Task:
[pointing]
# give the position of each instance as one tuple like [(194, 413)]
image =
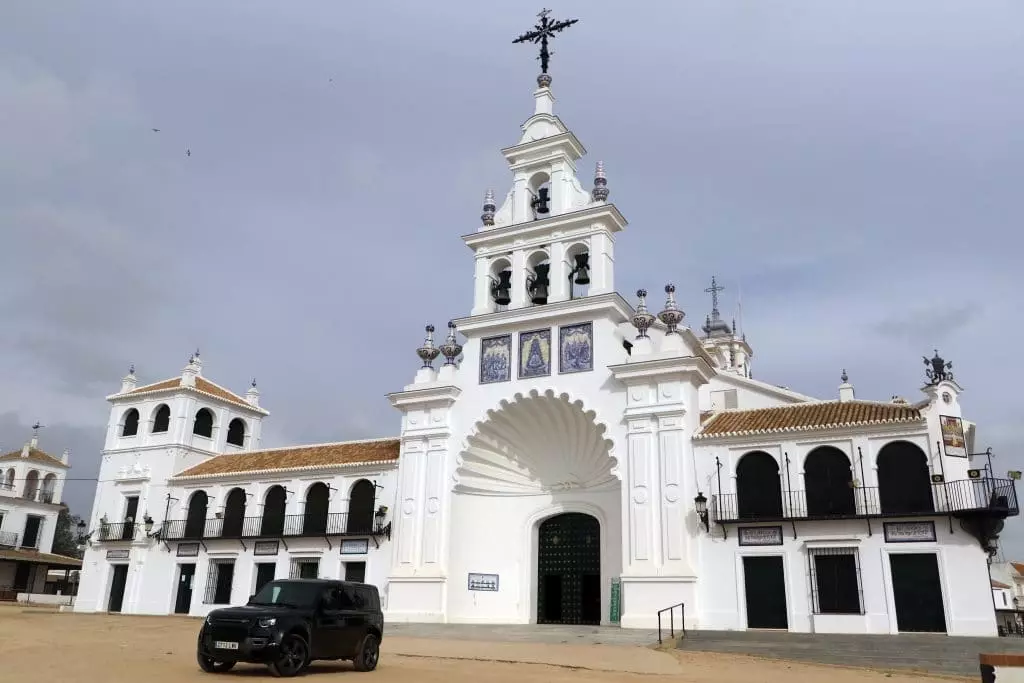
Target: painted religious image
[(535, 354), (496, 359), (953, 436), (576, 348)]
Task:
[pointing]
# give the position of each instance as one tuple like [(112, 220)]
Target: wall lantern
[(700, 503), (148, 525)]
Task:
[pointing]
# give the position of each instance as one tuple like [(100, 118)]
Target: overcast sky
[(855, 169)]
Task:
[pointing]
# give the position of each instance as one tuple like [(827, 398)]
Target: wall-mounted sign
[(265, 547), (953, 436), (188, 550), (974, 474), (121, 554), (909, 532), (355, 546), (938, 479), (760, 535), (483, 582)]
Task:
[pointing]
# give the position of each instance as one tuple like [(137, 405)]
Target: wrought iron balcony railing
[(994, 497), (116, 531), (333, 524), (8, 539), (38, 495)]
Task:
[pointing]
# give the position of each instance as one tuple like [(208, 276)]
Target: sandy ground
[(45, 645)]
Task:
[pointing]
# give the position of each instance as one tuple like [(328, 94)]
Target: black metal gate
[(765, 584), (569, 570), (917, 592)]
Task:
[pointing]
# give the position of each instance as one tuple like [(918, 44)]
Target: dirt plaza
[(44, 644)]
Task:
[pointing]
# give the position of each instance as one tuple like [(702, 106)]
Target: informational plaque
[(188, 550), (909, 532), (120, 554), (760, 535), (355, 546), (265, 547), (953, 436), (483, 582)]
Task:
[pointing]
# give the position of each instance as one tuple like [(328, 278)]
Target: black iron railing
[(8, 539), (997, 497), (672, 621), (333, 524), (116, 531), (38, 495)]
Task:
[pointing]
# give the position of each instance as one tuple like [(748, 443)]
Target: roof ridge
[(326, 444), (222, 388), (795, 406)]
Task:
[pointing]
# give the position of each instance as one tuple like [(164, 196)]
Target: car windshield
[(287, 594)]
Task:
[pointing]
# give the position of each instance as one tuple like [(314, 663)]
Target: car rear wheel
[(292, 658), (211, 665), (368, 655)]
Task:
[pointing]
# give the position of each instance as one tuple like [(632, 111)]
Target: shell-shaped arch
[(537, 443)]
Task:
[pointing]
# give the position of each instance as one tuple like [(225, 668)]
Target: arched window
[(236, 432), (360, 508), (49, 487), (234, 514), (273, 512), (314, 516), (758, 488), (829, 483), (904, 483), (162, 418), (32, 485), (195, 522), (203, 425), (131, 423), (9, 479)]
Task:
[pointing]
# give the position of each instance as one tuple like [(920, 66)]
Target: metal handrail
[(272, 526), (672, 622)]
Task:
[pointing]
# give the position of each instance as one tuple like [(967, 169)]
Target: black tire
[(368, 655), (212, 666), (293, 657)]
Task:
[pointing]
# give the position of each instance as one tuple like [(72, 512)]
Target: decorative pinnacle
[(642, 319), (131, 369), (253, 384), (488, 215), (451, 347), (844, 376), (428, 352), (544, 30), (671, 316), (600, 191)]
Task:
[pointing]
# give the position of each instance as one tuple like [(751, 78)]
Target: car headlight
[(266, 622), (207, 621)]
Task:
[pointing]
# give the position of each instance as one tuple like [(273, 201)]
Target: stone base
[(416, 599), (643, 596)]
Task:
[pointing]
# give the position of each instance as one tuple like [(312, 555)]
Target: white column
[(601, 264), (481, 286), (672, 501), (641, 477), (559, 274), (407, 517), (518, 279)]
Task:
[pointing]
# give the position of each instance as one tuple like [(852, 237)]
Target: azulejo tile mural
[(534, 354), (496, 359), (576, 348)]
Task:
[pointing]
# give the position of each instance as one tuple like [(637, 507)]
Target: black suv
[(291, 622)]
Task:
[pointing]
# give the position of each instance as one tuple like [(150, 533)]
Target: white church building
[(576, 458)]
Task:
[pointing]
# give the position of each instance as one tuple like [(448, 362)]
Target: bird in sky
[(156, 130), (188, 152)]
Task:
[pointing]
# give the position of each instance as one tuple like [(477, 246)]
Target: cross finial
[(544, 30), (714, 289), (36, 427)]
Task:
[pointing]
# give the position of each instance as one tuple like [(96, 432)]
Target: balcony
[(288, 526), (994, 498), (8, 539), (116, 531), (39, 495)]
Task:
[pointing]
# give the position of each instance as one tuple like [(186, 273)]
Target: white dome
[(536, 444)]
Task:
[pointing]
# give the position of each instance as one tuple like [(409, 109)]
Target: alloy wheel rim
[(371, 656), (293, 655)]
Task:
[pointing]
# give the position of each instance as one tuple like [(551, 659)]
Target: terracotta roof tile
[(998, 584), (298, 457), (35, 455), (40, 558), (1019, 566), (805, 416), (202, 384)]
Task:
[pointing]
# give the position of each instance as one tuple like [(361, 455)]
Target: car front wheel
[(292, 658), (369, 653), (211, 665)]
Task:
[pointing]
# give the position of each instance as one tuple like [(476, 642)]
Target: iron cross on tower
[(544, 30), (714, 289)]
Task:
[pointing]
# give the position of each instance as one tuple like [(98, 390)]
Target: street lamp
[(700, 503)]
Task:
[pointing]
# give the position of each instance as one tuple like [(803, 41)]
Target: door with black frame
[(265, 572), (183, 599), (917, 592), (118, 580), (33, 524), (764, 580), (569, 570)]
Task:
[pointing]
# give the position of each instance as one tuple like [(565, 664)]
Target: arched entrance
[(569, 570)]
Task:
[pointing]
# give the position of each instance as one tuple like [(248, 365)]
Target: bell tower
[(550, 240)]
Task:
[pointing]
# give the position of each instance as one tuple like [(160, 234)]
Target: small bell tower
[(550, 240)]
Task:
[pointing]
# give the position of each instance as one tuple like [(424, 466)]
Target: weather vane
[(544, 30)]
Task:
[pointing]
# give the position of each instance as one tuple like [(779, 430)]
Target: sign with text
[(121, 554), (909, 532), (355, 546), (188, 550), (953, 440), (483, 582), (265, 547), (760, 535)]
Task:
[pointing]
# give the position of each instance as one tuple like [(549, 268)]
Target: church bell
[(539, 285), (501, 289), (540, 202), (582, 269)]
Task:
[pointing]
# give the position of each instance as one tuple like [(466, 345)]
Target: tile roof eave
[(700, 436), (135, 393), (282, 470)]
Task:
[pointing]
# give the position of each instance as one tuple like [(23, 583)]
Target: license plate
[(224, 645)]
